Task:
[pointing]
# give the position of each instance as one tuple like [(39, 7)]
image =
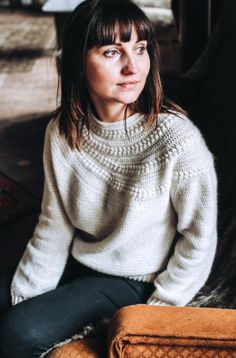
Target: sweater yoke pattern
[(126, 161)]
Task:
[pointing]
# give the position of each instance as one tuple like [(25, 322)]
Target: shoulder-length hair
[(93, 23)]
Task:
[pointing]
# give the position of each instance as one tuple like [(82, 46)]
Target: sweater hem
[(148, 277)]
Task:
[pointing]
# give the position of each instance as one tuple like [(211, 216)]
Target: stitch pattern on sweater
[(132, 193)]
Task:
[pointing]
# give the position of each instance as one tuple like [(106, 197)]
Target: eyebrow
[(120, 44)]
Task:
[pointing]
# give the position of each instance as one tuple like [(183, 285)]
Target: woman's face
[(116, 74)]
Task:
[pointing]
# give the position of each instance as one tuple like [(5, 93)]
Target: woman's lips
[(128, 84)]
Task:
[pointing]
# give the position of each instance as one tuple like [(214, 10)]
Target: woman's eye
[(140, 50), (110, 53)]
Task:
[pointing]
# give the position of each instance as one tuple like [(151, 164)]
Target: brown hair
[(92, 24)]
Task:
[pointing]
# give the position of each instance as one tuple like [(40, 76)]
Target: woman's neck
[(112, 113)]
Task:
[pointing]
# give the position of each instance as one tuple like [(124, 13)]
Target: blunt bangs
[(116, 21)]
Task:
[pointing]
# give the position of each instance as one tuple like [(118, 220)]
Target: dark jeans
[(83, 296)]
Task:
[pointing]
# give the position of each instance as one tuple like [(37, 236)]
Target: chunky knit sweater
[(138, 202)]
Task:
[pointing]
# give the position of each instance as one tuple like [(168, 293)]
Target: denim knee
[(19, 336)]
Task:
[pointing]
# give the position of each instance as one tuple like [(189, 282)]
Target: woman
[(129, 205)]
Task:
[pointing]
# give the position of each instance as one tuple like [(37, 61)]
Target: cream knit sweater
[(139, 203)]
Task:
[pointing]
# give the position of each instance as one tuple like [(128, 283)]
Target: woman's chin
[(128, 98)]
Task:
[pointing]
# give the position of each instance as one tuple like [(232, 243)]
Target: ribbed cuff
[(16, 299), (154, 301)]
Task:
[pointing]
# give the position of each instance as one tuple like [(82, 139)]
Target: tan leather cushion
[(89, 347), (150, 331)]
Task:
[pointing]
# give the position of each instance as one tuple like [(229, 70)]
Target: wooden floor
[(28, 83)]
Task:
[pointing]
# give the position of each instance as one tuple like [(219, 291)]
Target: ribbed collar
[(119, 125), (119, 130)]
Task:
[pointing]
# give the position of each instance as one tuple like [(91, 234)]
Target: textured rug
[(23, 40), (15, 201)]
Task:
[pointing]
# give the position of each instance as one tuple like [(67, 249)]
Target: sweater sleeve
[(194, 199), (46, 254)]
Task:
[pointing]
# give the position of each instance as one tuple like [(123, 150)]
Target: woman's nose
[(130, 66)]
